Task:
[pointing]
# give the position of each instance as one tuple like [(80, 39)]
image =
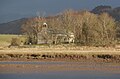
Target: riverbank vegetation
[(89, 29)]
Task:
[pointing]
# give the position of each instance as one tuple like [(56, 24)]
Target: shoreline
[(106, 58), (61, 53)]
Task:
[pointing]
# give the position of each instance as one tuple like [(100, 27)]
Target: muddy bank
[(61, 53), (60, 57)]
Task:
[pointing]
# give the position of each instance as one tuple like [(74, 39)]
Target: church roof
[(56, 31)]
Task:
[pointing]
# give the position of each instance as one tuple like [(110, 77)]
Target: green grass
[(5, 39)]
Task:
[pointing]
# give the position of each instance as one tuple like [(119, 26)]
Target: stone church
[(52, 36)]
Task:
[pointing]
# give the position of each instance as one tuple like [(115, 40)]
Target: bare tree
[(108, 27), (87, 28), (32, 27)]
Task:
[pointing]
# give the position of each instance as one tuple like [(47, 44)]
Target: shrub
[(15, 42)]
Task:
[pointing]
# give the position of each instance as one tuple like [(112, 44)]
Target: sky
[(16, 9)]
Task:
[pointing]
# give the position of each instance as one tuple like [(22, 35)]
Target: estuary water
[(58, 70)]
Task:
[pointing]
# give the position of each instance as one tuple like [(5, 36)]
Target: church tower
[(43, 35)]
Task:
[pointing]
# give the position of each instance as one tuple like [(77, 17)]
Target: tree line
[(88, 28)]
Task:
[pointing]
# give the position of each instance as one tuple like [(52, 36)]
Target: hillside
[(114, 12), (13, 27)]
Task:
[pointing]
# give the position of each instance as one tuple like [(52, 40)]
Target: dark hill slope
[(13, 27), (114, 12)]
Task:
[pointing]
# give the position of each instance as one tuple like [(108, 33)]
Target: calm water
[(74, 74), (62, 75)]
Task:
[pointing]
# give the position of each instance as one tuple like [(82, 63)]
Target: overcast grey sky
[(16, 9)]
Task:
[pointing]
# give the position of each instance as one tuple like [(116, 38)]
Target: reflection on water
[(75, 71), (36, 63), (62, 75)]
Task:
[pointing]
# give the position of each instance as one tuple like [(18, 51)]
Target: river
[(58, 70)]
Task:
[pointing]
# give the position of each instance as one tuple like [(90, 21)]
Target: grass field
[(5, 39)]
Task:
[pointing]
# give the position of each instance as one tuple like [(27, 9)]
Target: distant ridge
[(114, 12), (13, 27)]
